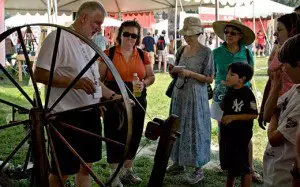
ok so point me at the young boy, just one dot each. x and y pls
(240, 109)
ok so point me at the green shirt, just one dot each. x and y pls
(223, 58)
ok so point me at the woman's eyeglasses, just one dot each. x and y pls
(231, 33)
(132, 35)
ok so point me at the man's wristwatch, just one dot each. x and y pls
(112, 96)
(295, 172)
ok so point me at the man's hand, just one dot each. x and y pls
(227, 119)
(261, 122)
(86, 85)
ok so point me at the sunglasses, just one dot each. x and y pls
(132, 35)
(231, 33)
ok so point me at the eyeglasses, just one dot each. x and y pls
(231, 33)
(132, 35)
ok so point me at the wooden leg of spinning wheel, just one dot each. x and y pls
(167, 138)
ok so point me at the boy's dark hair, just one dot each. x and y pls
(129, 23)
(289, 52)
(297, 8)
(242, 70)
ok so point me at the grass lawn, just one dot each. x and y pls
(158, 106)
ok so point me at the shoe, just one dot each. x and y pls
(175, 169)
(116, 182)
(256, 177)
(195, 177)
(128, 178)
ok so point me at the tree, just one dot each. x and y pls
(292, 3)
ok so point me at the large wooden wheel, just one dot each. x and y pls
(37, 114)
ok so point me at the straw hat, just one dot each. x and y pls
(248, 34)
(191, 26)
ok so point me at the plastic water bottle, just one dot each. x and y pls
(135, 83)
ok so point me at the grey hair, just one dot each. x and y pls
(90, 7)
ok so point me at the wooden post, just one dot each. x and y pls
(167, 138)
(40, 159)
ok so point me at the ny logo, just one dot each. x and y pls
(237, 106)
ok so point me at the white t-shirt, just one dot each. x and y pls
(278, 160)
(72, 56)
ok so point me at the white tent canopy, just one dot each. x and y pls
(19, 19)
(261, 8)
(69, 6)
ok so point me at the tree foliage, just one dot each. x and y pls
(292, 3)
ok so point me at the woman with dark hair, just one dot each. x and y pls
(128, 60)
(286, 28)
(283, 114)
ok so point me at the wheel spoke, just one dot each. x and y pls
(76, 154)
(53, 62)
(74, 81)
(14, 151)
(12, 124)
(14, 105)
(53, 154)
(16, 85)
(102, 103)
(27, 158)
(107, 140)
(29, 65)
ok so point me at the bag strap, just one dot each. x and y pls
(178, 56)
(113, 49)
(248, 55)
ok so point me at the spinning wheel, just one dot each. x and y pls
(37, 114)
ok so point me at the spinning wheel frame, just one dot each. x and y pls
(40, 116)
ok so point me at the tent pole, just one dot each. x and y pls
(175, 31)
(49, 11)
(55, 11)
(2, 46)
(217, 18)
(253, 17)
(264, 30)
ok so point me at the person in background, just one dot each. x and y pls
(189, 101)
(260, 43)
(297, 10)
(162, 50)
(239, 106)
(283, 114)
(100, 40)
(155, 35)
(149, 46)
(9, 50)
(236, 36)
(128, 59)
(286, 28)
(88, 90)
